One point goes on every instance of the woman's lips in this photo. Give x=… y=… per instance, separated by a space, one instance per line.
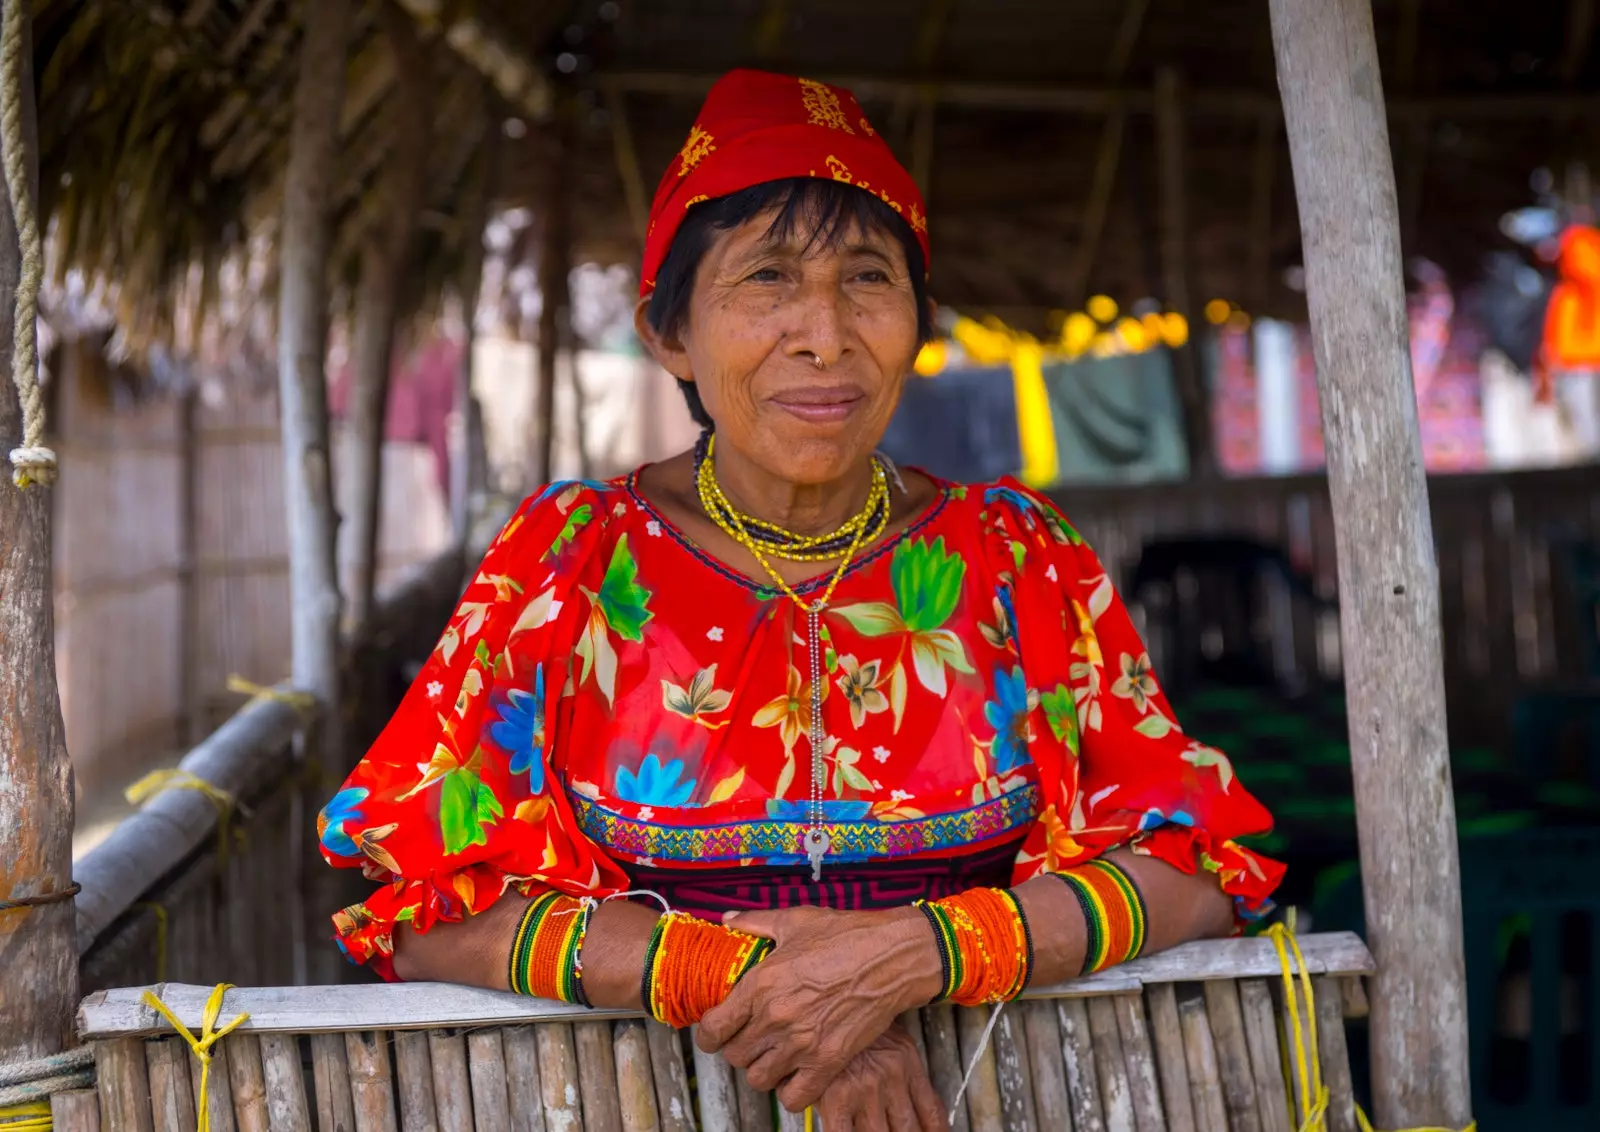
x=820 y=406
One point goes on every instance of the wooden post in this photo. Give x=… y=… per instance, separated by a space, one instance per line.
x=634 y=189
x=303 y=389
x=39 y=971
x=1388 y=579
x=190 y=472
x=1175 y=268
x=554 y=263
x=468 y=463
x=385 y=257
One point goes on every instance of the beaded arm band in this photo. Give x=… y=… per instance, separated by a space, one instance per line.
x=692 y=964
x=1113 y=910
x=985 y=947
x=545 y=953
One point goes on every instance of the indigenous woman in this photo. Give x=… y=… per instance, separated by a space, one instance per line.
x=867 y=739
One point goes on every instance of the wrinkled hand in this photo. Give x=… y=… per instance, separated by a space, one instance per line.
x=833 y=985
x=885 y=1088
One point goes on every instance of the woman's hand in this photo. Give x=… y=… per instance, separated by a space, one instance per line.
x=832 y=986
x=885 y=1088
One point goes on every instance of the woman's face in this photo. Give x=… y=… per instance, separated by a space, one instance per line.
x=763 y=310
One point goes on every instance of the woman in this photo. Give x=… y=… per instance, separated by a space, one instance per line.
x=876 y=739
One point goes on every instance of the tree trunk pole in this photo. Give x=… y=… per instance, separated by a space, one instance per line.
x=38 y=961
x=308 y=488
x=1388 y=578
x=554 y=263
x=384 y=260
x=467 y=462
x=1172 y=177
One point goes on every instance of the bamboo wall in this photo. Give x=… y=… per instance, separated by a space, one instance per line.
x=166 y=583
x=1508 y=621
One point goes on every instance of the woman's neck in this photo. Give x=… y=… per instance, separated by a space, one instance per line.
x=805 y=509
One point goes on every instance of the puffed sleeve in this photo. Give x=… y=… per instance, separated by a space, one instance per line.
x=455 y=801
x=1115 y=767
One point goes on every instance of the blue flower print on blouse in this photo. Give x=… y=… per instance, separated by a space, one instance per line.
x=845 y=810
x=331 y=821
x=519 y=731
x=654 y=784
x=1007 y=713
x=1155 y=819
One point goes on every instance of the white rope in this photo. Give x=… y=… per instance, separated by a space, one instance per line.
x=972 y=1064
x=23 y=1082
x=31 y=461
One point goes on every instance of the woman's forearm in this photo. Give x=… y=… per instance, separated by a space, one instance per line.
x=476 y=951
x=1180 y=907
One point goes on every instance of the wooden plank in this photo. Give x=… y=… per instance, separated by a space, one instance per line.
x=1015 y=1077
x=1083 y=1076
x=719 y=1098
x=122 y=1081
x=756 y=1109
x=247 y=1083
x=1144 y=1083
x=558 y=1077
x=983 y=1086
x=597 y=1077
x=414 y=1076
x=522 y=1078
x=331 y=1074
x=287 y=1110
x=945 y=1066
x=452 y=1080
x=674 y=1105
x=1266 y=1065
x=486 y=1065
x=1166 y=1032
x=1233 y=1056
x=118 y=1012
x=1111 y=1066
x=1205 y=1085
x=171 y=1095
x=1047 y=1064
x=1334 y=1056
x=636 y=1087
x=77 y=1110
x=371 y=1081
x=219 y=1087
x=1329 y=80
x=791 y=1121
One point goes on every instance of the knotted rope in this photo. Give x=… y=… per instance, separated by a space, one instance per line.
x=26 y=1088
x=31 y=462
x=201 y=1046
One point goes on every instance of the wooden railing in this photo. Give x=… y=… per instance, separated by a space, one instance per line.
x=191 y=887
x=1188 y=1038
x=1503 y=596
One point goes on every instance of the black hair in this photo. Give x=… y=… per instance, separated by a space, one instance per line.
x=831 y=208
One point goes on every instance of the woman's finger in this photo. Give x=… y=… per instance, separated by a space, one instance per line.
x=931 y=1114
x=902 y=1113
x=724 y=1020
x=833 y=1113
x=873 y=1115
x=766 y=923
x=766 y=1071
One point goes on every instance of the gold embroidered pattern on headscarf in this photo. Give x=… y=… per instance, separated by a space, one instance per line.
x=841 y=172
x=822 y=105
x=695 y=149
x=692 y=201
x=866 y=128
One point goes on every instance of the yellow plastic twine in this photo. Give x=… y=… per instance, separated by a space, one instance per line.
x=303 y=702
x=162 y=923
x=31 y=1117
x=209 y=1036
x=1308 y=1064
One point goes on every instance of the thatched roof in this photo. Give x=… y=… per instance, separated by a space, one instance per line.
x=164 y=127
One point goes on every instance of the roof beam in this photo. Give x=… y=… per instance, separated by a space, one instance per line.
x=1580 y=31
x=1097 y=100
x=513 y=74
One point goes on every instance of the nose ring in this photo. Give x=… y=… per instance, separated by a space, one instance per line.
x=816 y=360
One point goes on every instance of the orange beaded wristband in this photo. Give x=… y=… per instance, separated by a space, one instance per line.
x=692 y=964
x=544 y=958
x=985 y=947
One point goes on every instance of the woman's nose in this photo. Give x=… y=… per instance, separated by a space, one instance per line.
x=820 y=329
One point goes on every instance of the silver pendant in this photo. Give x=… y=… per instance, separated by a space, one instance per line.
x=817 y=842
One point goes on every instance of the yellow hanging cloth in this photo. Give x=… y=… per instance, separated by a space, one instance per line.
x=1036 y=429
x=209 y=1036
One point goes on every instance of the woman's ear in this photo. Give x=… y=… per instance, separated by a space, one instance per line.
x=666 y=349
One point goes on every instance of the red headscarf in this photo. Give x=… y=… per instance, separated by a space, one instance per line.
x=757 y=127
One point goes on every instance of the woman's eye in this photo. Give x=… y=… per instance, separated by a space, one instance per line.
x=764 y=275
x=872 y=275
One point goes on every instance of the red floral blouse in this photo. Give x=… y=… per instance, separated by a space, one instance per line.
x=610 y=701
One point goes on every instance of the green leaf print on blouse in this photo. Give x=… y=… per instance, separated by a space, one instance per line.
x=1062 y=715
x=575 y=522
x=622 y=606
x=467 y=808
x=927 y=588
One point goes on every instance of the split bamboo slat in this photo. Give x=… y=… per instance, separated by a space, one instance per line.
x=77 y=1110
x=1185 y=1042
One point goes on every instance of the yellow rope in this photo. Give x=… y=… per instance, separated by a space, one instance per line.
x=31 y=1117
x=176 y=778
x=201 y=1046
x=303 y=702
x=1313 y=1093
x=31 y=462
x=162 y=923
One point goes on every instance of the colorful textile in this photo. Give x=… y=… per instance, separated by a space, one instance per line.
x=757 y=127
x=608 y=696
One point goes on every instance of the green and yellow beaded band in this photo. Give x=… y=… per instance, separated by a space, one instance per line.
x=1114 y=913
x=545 y=952
x=985 y=946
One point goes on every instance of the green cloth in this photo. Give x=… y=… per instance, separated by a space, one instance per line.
x=1117 y=420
